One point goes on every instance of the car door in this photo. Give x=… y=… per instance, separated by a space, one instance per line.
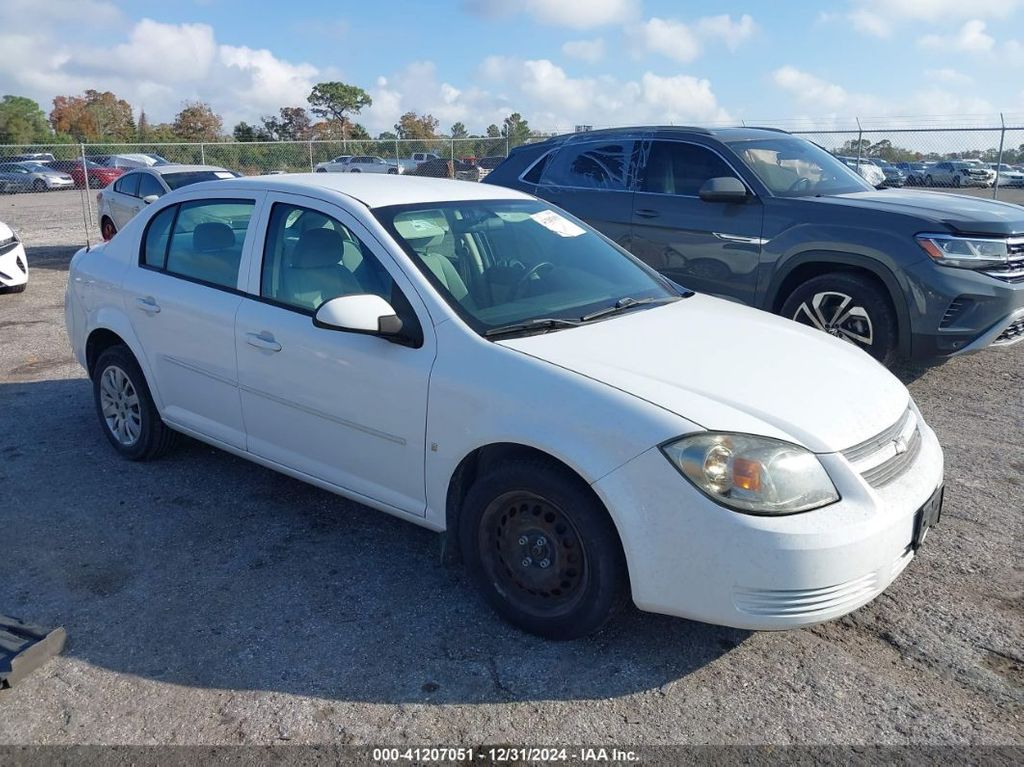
x=710 y=247
x=348 y=409
x=149 y=186
x=593 y=181
x=182 y=297
x=124 y=202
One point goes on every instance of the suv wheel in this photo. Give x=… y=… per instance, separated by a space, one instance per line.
x=125 y=407
x=847 y=306
x=542 y=550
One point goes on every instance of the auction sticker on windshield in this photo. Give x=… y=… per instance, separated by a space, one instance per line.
x=557 y=224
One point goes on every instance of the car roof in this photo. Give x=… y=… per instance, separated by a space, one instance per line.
x=162 y=169
x=375 y=190
x=666 y=131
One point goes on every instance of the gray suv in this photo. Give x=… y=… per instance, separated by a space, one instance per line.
x=774 y=221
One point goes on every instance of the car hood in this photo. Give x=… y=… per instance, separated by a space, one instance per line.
x=727 y=367
x=960 y=212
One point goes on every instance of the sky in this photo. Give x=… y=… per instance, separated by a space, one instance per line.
x=558 y=62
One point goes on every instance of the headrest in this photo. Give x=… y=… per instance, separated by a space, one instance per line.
x=318 y=248
x=212 y=235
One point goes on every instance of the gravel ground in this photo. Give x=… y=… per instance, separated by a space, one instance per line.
x=208 y=600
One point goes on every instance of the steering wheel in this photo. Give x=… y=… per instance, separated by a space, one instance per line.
x=802 y=184
x=533 y=271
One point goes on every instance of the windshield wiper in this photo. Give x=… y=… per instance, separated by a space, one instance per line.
x=541 y=323
x=625 y=303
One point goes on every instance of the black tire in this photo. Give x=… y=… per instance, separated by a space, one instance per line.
x=14 y=288
x=152 y=437
x=584 y=581
x=821 y=302
x=355 y=170
x=38 y=185
x=320 y=170
x=107 y=229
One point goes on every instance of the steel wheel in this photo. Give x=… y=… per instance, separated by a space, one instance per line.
x=120 y=406
x=533 y=553
x=838 y=315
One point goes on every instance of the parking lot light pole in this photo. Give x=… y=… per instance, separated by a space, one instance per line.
x=999 y=160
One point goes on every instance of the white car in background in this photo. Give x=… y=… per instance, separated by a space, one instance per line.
x=866 y=169
x=119 y=202
x=1007 y=175
x=474 y=360
x=359 y=164
x=13 y=263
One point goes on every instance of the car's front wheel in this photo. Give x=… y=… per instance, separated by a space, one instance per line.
x=125 y=407
x=38 y=185
x=850 y=307
x=543 y=550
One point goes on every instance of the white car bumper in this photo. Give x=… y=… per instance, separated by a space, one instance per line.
x=13 y=264
x=693 y=558
x=59 y=183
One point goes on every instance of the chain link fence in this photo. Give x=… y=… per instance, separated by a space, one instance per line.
x=984 y=160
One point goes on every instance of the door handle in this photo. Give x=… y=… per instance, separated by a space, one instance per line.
x=263 y=341
x=148 y=305
x=646 y=213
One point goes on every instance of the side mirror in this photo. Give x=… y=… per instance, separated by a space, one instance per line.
x=723 y=189
x=363 y=313
x=150 y=198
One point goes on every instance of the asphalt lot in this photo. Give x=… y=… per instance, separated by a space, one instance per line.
x=208 y=600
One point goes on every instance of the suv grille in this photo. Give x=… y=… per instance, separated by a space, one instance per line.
x=887 y=455
x=1013 y=270
x=1014 y=332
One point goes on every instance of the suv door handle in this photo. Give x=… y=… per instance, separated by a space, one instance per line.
x=646 y=213
x=263 y=341
x=148 y=305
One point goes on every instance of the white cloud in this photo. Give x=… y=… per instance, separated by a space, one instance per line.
x=723 y=28
x=809 y=89
x=668 y=37
x=948 y=76
x=879 y=18
x=577 y=14
x=970 y=38
x=871 y=23
x=590 y=51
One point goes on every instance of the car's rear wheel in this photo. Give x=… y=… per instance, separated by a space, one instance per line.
x=38 y=185
x=321 y=170
x=543 y=550
x=850 y=307
x=107 y=228
x=125 y=407
x=355 y=170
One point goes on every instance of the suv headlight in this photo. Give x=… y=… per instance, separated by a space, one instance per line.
x=964 y=252
x=753 y=475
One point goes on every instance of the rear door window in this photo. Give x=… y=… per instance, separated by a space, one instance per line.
x=591 y=165
x=206 y=244
x=128 y=184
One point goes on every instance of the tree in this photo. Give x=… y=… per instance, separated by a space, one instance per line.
x=143 y=128
x=336 y=101
x=411 y=125
x=197 y=122
x=515 y=129
x=244 y=132
x=93 y=116
x=493 y=131
x=458 y=130
x=386 y=136
x=22 y=121
x=293 y=124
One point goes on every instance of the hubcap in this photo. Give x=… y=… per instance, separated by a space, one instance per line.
x=532 y=553
x=837 y=315
x=120 y=405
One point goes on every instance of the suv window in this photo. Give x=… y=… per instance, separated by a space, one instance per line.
x=206 y=243
x=675 y=167
x=310 y=258
x=149 y=185
x=593 y=165
x=128 y=184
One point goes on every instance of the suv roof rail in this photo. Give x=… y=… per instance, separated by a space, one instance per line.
x=766 y=127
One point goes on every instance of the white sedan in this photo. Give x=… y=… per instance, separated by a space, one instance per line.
x=476 y=361
x=13 y=263
x=359 y=164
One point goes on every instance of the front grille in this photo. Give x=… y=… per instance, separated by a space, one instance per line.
x=887 y=455
x=1014 y=332
x=955 y=309
x=1013 y=269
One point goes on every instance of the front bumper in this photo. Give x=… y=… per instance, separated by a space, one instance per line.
x=692 y=558
x=59 y=183
x=13 y=265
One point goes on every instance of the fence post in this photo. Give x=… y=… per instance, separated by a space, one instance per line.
x=860 y=138
x=999 y=161
x=202 y=153
x=87 y=203
x=506 y=146
x=398 y=160
x=311 y=155
x=453 y=151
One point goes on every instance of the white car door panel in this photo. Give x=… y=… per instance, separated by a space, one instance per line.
x=347 y=408
x=186 y=326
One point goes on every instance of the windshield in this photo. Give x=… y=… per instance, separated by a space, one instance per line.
x=504 y=262
x=184 y=178
x=793 y=167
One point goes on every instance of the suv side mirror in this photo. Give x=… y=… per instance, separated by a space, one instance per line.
x=362 y=313
x=723 y=189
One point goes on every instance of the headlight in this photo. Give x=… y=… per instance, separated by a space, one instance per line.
x=754 y=475
x=964 y=252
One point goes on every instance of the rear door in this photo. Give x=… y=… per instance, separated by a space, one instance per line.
x=123 y=199
x=593 y=180
x=710 y=247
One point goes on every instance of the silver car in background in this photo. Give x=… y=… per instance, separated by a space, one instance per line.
x=957 y=173
x=28 y=176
